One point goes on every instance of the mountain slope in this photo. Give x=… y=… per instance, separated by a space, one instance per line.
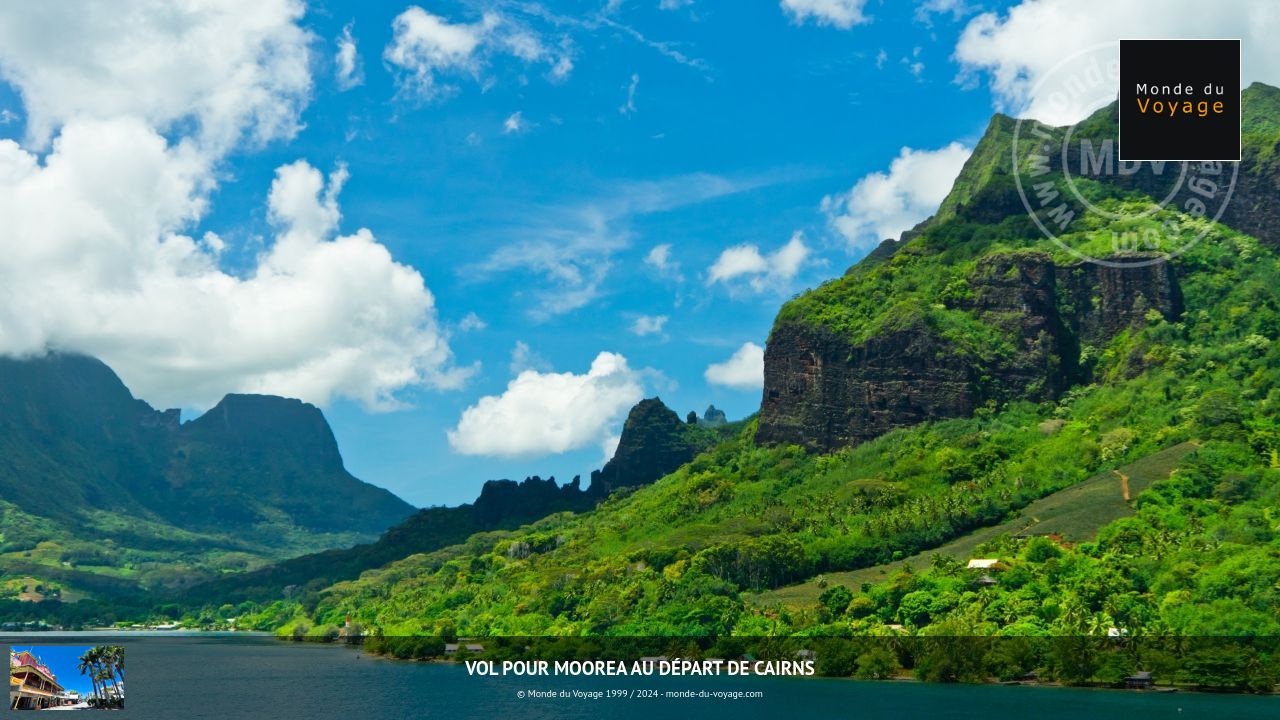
x=96 y=482
x=1023 y=374
x=654 y=442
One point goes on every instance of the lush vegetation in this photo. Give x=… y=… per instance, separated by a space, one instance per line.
x=1199 y=555
x=1196 y=552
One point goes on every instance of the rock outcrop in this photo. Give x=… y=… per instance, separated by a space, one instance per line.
x=654 y=442
x=713 y=417
x=824 y=392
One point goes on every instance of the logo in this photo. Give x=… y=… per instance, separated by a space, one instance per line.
x=1095 y=205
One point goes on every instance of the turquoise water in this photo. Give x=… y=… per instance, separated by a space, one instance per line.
x=257 y=677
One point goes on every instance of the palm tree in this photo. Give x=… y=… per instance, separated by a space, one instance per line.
x=87 y=667
x=117 y=660
x=115 y=655
x=109 y=660
x=108 y=666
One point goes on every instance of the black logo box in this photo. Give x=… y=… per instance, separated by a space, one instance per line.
x=1191 y=64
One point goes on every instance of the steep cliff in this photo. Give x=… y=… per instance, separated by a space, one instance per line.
x=975 y=306
x=823 y=391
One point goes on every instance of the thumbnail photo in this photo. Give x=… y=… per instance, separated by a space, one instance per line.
x=66 y=677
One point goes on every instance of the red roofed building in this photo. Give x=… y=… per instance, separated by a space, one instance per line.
x=32 y=686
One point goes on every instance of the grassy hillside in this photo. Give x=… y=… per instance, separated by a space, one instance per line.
x=1071 y=515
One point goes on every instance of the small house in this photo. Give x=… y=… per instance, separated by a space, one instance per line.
x=1139 y=681
x=983 y=563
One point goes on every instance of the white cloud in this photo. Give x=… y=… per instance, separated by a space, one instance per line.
x=659 y=256
x=761 y=271
x=513 y=124
x=429 y=52
x=673 y=4
x=648 y=325
x=881 y=58
x=235 y=68
x=609 y=446
x=97 y=259
x=471 y=322
x=843 y=14
x=348 y=70
x=882 y=205
x=524 y=358
x=562 y=68
x=744 y=370
x=542 y=413
x=955 y=8
x=914 y=64
x=7 y=116
x=426 y=46
x=1018 y=50
x=629 y=106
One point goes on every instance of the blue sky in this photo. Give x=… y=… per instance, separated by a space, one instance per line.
x=700 y=128
x=476 y=231
x=64 y=662
x=793 y=113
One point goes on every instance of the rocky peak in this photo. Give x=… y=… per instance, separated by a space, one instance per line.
x=654 y=442
x=714 y=417
x=502 y=501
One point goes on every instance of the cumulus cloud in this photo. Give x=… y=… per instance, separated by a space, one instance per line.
x=514 y=123
x=1017 y=50
x=429 y=52
x=843 y=14
x=348 y=70
x=546 y=412
x=233 y=68
x=761 y=271
x=648 y=325
x=97 y=252
x=882 y=205
x=744 y=370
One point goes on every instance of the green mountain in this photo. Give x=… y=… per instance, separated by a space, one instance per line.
x=101 y=493
x=654 y=442
x=942 y=386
